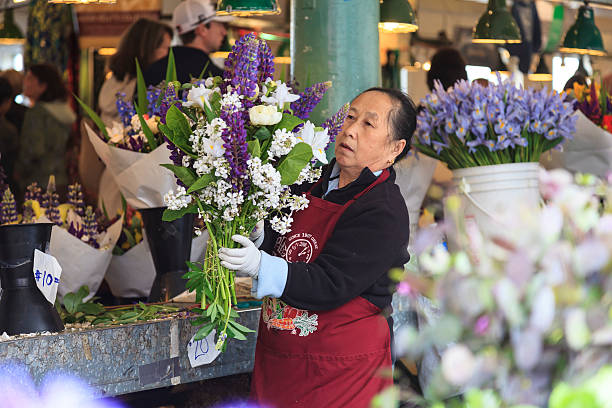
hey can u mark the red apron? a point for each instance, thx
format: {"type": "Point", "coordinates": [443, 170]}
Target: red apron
{"type": "Point", "coordinates": [326, 358]}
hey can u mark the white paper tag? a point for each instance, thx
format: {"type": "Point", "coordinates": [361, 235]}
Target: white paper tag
{"type": "Point", "coordinates": [47, 273]}
{"type": "Point", "coordinates": [203, 351]}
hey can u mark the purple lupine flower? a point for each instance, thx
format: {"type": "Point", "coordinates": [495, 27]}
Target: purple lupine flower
{"type": "Point", "coordinates": [266, 62]}
{"type": "Point", "coordinates": [8, 208]}
{"type": "Point", "coordinates": [135, 143]}
{"type": "Point", "coordinates": [90, 227]}
{"type": "Point", "coordinates": [234, 137]}
{"type": "Point", "coordinates": [75, 198]}
{"type": "Point", "coordinates": [76, 230]}
{"type": "Point", "coordinates": [170, 98]}
{"type": "Point", "coordinates": [153, 93]}
{"type": "Point", "coordinates": [242, 66]}
{"type": "Point", "coordinates": [334, 124]}
{"type": "Point", "coordinates": [125, 108]}
{"type": "Point", "coordinates": [28, 214]}
{"type": "Point", "coordinates": [33, 192]}
{"type": "Point", "coordinates": [309, 99]}
{"type": "Point", "coordinates": [294, 86]}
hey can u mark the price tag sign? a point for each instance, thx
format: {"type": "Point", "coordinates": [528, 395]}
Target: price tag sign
{"type": "Point", "coordinates": [47, 272]}
{"type": "Point", "coordinates": [203, 351]}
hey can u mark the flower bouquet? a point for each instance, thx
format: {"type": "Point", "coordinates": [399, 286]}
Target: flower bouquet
{"type": "Point", "coordinates": [590, 151]}
{"type": "Point", "coordinates": [240, 142]}
{"type": "Point", "coordinates": [82, 247]}
{"type": "Point", "coordinates": [492, 138]}
{"type": "Point", "coordinates": [134, 149]}
{"type": "Point", "coordinates": [526, 308]}
{"type": "Point", "coordinates": [131, 271]}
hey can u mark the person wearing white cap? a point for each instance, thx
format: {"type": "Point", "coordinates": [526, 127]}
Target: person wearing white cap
{"type": "Point", "coordinates": [201, 32]}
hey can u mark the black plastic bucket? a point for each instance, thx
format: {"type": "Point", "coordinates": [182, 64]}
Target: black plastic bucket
{"type": "Point", "coordinates": [23, 308]}
{"type": "Point", "coordinates": [170, 244]}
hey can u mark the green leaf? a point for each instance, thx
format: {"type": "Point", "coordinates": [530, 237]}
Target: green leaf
{"type": "Point", "coordinates": [262, 133]}
{"type": "Point", "coordinates": [145, 128]}
{"type": "Point", "coordinates": [203, 70]}
{"type": "Point", "coordinates": [288, 122]}
{"type": "Point", "coordinates": [71, 302]}
{"type": "Point", "coordinates": [235, 333]}
{"type": "Point", "coordinates": [215, 103]}
{"type": "Point", "coordinates": [180, 129]}
{"type": "Point", "coordinates": [202, 182]}
{"type": "Point", "coordinates": [204, 331]}
{"type": "Point", "coordinates": [171, 215]}
{"type": "Point", "coordinates": [171, 69]}
{"type": "Point", "coordinates": [91, 308]}
{"type": "Point", "coordinates": [141, 86]}
{"type": "Point", "coordinates": [94, 116]}
{"type": "Point", "coordinates": [186, 175]}
{"type": "Point", "coordinates": [82, 292]}
{"type": "Point", "coordinates": [291, 166]}
{"type": "Point", "coordinates": [254, 148]}
{"type": "Point", "coordinates": [240, 327]}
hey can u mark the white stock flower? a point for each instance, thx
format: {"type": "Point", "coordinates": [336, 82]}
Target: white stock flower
{"type": "Point", "coordinates": [282, 143]}
{"type": "Point", "coordinates": [316, 139]}
{"type": "Point", "coordinates": [281, 95]}
{"type": "Point", "coordinates": [178, 200]}
{"type": "Point", "coordinates": [115, 133]}
{"type": "Point", "coordinates": [458, 364]}
{"type": "Point", "coordinates": [264, 115]}
{"type": "Point", "coordinates": [198, 96]}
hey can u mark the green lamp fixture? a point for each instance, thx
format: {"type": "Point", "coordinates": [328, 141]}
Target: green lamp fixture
{"type": "Point", "coordinates": [397, 16]}
{"type": "Point", "coordinates": [542, 73]}
{"type": "Point", "coordinates": [496, 25]}
{"type": "Point", "coordinates": [584, 37]}
{"type": "Point", "coordinates": [9, 32]}
{"type": "Point", "coordinates": [245, 8]}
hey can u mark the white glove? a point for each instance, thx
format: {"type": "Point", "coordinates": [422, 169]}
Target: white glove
{"type": "Point", "coordinates": [245, 261]}
{"type": "Point", "coordinates": [257, 235]}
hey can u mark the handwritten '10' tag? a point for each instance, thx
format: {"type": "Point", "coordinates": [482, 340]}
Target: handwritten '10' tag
{"type": "Point", "coordinates": [203, 351]}
{"type": "Point", "coordinates": [47, 272]}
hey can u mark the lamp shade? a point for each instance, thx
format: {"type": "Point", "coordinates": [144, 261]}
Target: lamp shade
{"type": "Point", "coordinates": [542, 73]}
{"type": "Point", "coordinates": [83, 1]}
{"type": "Point", "coordinates": [496, 25]}
{"type": "Point", "coordinates": [9, 32]}
{"type": "Point", "coordinates": [584, 37]}
{"type": "Point", "coordinates": [243, 8]}
{"type": "Point", "coordinates": [397, 16]}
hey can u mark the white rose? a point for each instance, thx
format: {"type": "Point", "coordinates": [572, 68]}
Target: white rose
{"type": "Point", "coordinates": [264, 115]}
{"type": "Point", "coordinates": [115, 133]}
{"type": "Point", "coordinates": [152, 124]}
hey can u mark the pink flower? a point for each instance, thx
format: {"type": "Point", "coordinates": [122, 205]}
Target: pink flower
{"type": "Point", "coordinates": [482, 325]}
{"type": "Point", "coordinates": [404, 288]}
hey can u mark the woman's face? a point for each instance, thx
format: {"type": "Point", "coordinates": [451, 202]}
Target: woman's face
{"type": "Point", "coordinates": [365, 140]}
{"type": "Point", "coordinates": [161, 51]}
{"type": "Point", "coordinates": [32, 87]}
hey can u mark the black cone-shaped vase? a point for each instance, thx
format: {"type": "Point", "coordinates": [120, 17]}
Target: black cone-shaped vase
{"type": "Point", "coordinates": [170, 244]}
{"type": "Point", "coordinates": [23, 307]}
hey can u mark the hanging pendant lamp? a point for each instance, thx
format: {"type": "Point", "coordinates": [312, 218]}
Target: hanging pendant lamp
{"type": "Point", "coordinates": [83, 1]}
{"type": "Point", "coordinates": [584, 37]}
{"type": "Point", "coordinates": [496, 25]}
{"type": "Point", "coordinates": [9, 32]}
{"type": "Point", "coordinates": [245, 8]}
{"type": "Point", "coordinates": [542, 73]}
{"type": "Point", "coordinates": [397, 16]}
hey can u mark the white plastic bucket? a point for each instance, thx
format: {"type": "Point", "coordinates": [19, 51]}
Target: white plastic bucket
{"type": "Point", "coordinates": [489, 192]}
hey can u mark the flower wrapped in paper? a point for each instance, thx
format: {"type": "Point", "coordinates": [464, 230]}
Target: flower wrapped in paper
{"type": "Point", "coordinates": [239, 142]}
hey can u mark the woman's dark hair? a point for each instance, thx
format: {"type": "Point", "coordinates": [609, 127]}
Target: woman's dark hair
{"type": "Point", "coordinates": [6, 91]}
{"type": "Point", "coordinates": [447, 66]}
{"type": "Point", "coordinates": [49, 75]}
{"type": "Point", "coordinates": [402, 118]}
{"type": "Point", "coordinates": [140, 40]}
{"type": "Point", "coordinates": [189, 37]}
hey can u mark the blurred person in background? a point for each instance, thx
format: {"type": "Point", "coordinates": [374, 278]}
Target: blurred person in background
{"type": "Point", "coordinates": [447, 66]}
{"type": "Point", "coordinates": [17, 111]}
{"type": "Point", "coordinates": [201, 32]}
{"type": "Point", "coordinates": [46, 129]}
{"type": "Point", "coordinates": [9, 138]}
{"type": "Point", "coordinates": [145, 40]}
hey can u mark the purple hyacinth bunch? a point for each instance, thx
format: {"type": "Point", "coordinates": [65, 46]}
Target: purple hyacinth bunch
{"type": "Point", "coordinates": [8, 208]}
{"type": "Point", "coordinates": [242, 66]}
{"type": "Point", "coordinates": [75, 198]}
{"type": "Point", "coordinates": [50, 201]}
{"type": "Point", "coordinates": [125, 108]}
{"type": "Point", "coordinates": [334, 124]}
{"type": "Point", "coordinates": [153, 94]}
{"type": "Point", "coordinates": [309, 99]}
{"type": "Point", "coordinates": [170, 98]}
{"type": "Point", "coordinates": [235, 144]}
{"type": "Point", "coordinates": [33, 192]}
{"type": "Point", "coordinates": [471, 125]}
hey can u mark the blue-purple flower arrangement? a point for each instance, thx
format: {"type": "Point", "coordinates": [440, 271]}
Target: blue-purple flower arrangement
{"type": "Point", "coordinates": [470, 125]}
{"type": "Point", "coordinates": [238, 143]}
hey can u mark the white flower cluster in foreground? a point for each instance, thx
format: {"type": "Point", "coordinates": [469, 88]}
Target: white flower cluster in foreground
{"type": "Point", "coordinates": [178, 200]}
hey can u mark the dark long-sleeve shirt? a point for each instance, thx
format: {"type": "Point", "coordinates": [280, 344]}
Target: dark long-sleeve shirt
{"type": "Point", "coordinates": [369, 239]}
{"type": "Point", "coordinates": [189, 62]}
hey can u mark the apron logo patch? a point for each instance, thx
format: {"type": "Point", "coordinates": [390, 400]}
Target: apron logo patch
{"type": "Point", "coordinates": [297, 247]}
